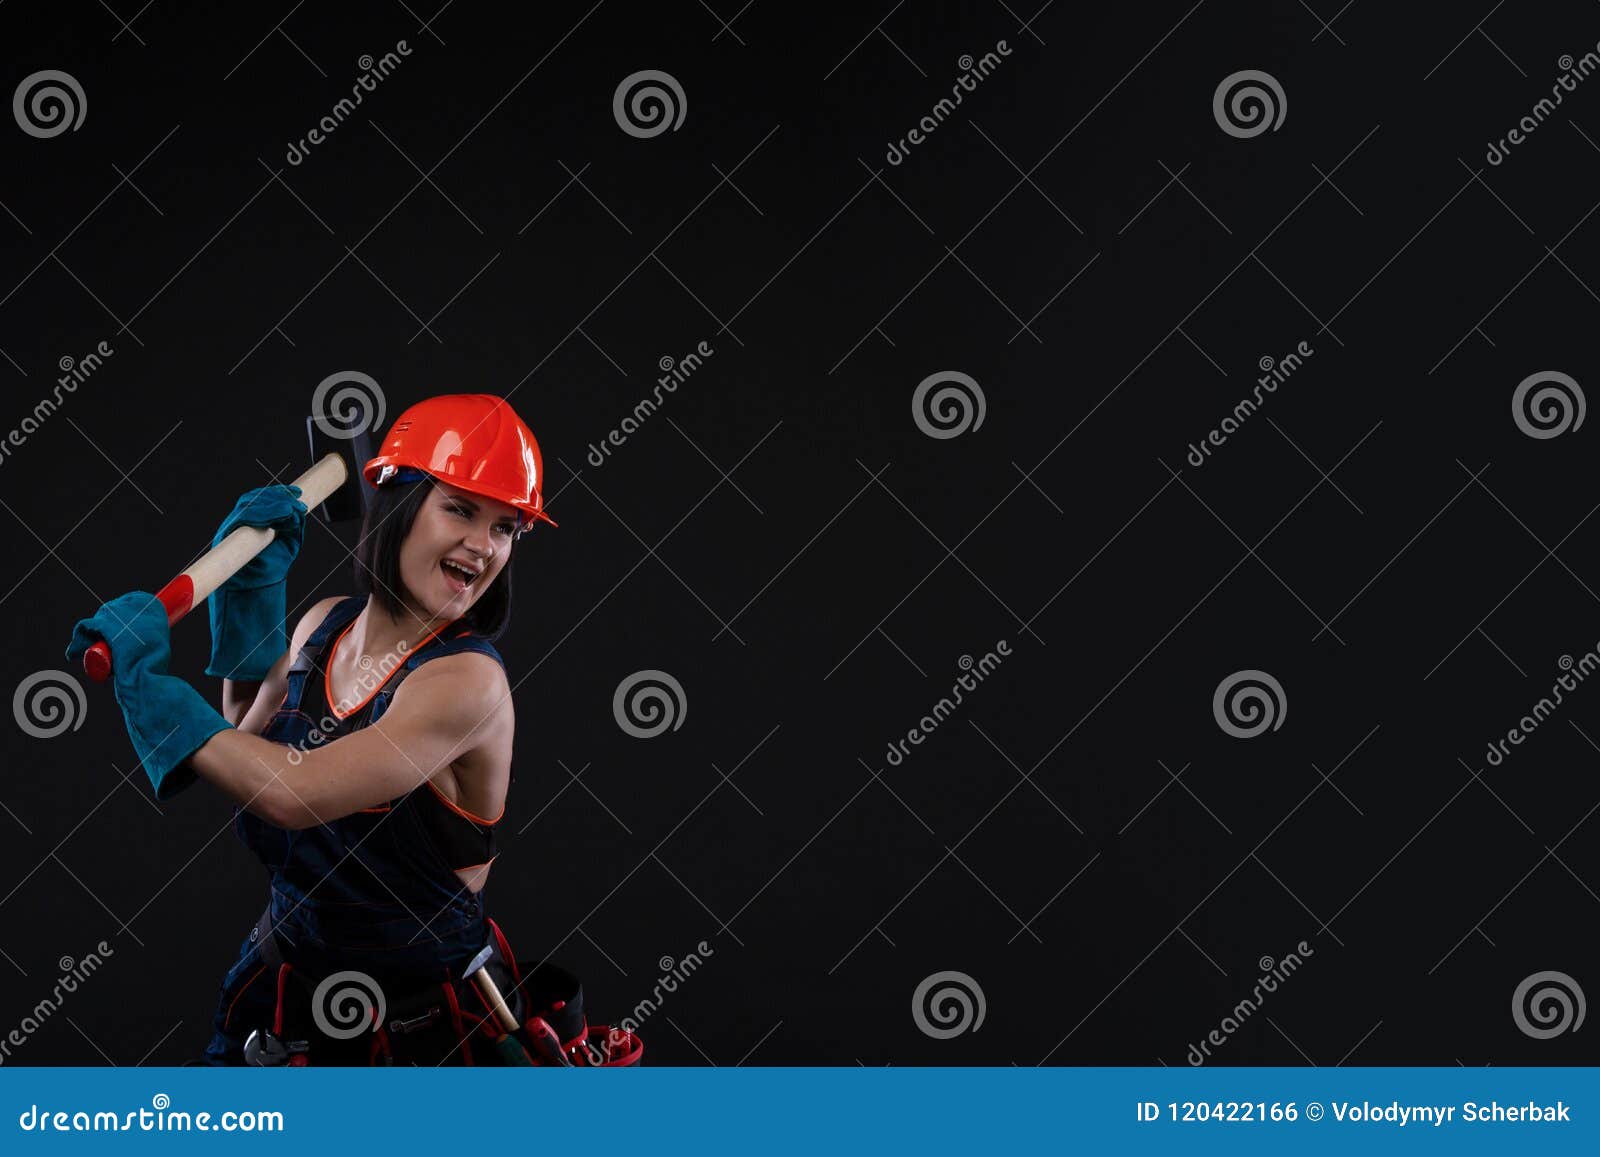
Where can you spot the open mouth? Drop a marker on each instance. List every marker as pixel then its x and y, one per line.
pixel 458 578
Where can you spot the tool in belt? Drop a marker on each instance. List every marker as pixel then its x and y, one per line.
pixel 462 1021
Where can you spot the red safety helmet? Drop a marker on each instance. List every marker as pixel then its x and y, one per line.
pixel 472 441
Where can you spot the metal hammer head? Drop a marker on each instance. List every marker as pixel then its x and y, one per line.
pixel 333 433
pixel 485 954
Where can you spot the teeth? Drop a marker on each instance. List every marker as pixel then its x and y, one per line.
pixel 466 575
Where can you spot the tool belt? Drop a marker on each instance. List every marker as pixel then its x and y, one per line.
pixel 334 1020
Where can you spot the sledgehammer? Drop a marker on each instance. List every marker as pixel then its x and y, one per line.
pixel 346 451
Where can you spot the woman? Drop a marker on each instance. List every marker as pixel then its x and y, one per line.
pixel 369 754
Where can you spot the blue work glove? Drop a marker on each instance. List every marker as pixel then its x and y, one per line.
pixel 167 719
pixel 248 611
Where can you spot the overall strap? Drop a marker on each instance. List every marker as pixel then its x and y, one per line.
pixel 341 616
pixel 460 642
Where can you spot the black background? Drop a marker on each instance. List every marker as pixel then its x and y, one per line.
pixel 1451 553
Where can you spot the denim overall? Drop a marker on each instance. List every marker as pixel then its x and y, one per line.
pixel 370 891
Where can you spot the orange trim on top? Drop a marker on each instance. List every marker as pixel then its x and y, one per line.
pixel 463 812
pixel 327 667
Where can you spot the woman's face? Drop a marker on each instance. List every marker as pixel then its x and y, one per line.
pixel 455 525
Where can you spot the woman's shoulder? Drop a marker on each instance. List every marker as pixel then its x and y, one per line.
pixel 472 680
pixel 311 620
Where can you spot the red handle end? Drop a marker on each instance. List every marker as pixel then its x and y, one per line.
pixel 97 662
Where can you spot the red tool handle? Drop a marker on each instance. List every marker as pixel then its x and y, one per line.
pixel 177 596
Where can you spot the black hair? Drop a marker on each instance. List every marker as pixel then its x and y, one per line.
pixel 388 520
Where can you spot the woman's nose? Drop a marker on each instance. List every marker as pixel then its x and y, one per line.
pixel 477 541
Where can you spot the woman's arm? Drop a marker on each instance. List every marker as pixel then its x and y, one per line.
pixel 239 694
pixel 443 710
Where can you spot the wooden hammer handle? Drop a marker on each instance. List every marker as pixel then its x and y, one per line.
pixel 490 991
pixel 195 583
